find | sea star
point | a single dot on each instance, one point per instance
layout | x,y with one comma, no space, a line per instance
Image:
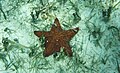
57,38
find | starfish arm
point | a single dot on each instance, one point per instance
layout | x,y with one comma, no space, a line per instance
40,33
53,28
47,52
56,25
67,48
70,33
57,47
51,46
48,47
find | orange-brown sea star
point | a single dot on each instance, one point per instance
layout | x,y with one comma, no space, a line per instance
57,38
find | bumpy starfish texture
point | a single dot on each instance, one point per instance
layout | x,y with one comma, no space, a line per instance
57,38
